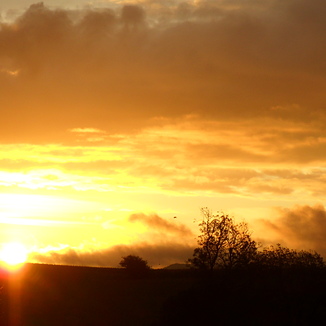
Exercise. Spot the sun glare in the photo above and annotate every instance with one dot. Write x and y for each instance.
(13, 254)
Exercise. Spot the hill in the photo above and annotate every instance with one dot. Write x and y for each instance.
(46, 295)
(177, 266)
(69, 295)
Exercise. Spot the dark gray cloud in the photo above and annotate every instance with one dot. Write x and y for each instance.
(303, 227)
(132, 16)
(159, 255)
(219, 59)
(155, 222)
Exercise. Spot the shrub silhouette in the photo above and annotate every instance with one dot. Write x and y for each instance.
(135, 266)
(280, 257)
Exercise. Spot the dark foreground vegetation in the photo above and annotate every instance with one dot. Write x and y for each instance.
(64, 295)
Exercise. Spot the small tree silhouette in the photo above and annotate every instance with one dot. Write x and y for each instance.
(135, 266)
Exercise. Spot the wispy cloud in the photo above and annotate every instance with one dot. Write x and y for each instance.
(158, 223)
(86, 130)
(37, 222)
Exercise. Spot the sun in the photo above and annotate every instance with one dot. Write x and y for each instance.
(13, 253)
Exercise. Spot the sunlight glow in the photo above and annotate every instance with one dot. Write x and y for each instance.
(13, 253)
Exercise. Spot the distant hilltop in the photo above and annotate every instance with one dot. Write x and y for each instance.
(177, 266)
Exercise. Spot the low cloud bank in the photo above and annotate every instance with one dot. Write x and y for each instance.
(158, 256)
(302, 227)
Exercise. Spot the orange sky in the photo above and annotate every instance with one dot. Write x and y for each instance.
(116, 118)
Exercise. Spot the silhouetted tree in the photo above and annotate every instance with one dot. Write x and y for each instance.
(135, 265)
(222, 242)
(239, 249)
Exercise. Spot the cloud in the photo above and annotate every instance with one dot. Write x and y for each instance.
(156, 103)
(211, 151)
(158, 255)
(86, 130)
(97, 24)
(156, 222)
(132, 15)
(222, 60)
(302, 227)
(203, 98)
(188, 155)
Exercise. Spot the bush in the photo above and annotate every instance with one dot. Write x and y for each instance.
(280, 257)
(135, 266)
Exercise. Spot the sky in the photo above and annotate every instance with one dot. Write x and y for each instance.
(121, 120)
